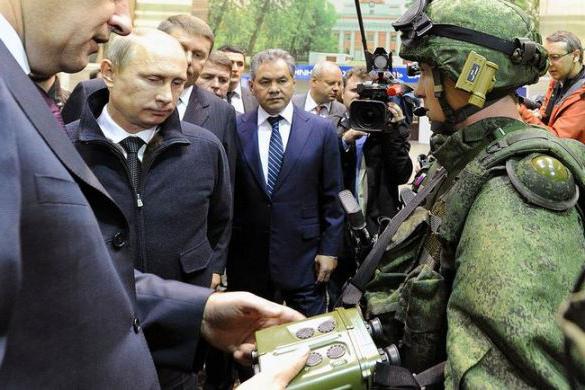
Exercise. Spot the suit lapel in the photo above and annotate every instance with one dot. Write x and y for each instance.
(298, 138)
(248, 135)
(24, 91)
(197, 109)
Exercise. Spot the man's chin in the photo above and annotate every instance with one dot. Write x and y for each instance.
(74, 65)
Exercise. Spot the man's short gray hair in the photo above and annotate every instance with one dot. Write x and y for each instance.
(572, 41)
(119, 49)
(272, 55)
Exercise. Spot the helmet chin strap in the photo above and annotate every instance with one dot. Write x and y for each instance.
(452, 117)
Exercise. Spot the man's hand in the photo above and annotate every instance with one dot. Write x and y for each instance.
(215, 281)
(351, 135)
(324, 266)
(283, 371)
(231, 319)
(396, 111)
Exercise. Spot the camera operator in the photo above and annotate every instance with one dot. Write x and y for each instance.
(373, 164)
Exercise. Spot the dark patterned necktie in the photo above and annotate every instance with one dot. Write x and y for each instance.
(275, 153)
(53, 107)
(132, 145)
(230, 95)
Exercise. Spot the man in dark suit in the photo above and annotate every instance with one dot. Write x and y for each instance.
(215, 76)
(287, 221)
(321, 99)
(70, 313)
(196, 105)
(239, 95)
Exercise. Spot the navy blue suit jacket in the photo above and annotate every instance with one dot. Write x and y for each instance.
(67, 292)
(275, 239)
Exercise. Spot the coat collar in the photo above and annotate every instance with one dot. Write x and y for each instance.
(197, 111)
(89, 130)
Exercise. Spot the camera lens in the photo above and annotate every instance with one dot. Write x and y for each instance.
(368, 115)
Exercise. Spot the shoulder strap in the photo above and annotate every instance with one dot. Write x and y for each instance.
(354, 289)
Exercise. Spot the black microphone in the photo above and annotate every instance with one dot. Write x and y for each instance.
(355, 217)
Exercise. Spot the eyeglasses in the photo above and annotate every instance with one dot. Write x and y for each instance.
(556, 57)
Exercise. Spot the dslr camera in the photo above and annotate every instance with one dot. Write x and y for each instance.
(370, 112)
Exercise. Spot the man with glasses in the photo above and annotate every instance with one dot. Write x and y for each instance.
(563, 108)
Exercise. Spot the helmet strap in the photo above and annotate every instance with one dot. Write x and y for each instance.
(448, 126)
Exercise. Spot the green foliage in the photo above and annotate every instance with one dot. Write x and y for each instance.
(298, 26)
(532, 7)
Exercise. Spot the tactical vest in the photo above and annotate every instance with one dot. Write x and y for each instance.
(410, 290)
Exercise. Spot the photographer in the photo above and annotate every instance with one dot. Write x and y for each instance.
(373, 164)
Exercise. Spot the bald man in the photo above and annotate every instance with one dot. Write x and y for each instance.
(179, 206)
(325, 85)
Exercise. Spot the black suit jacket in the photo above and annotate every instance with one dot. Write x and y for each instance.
(204, 109)
(66, 304)
(388, 165)
(210, 112)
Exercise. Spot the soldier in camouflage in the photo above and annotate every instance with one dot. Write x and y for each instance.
(476, 276)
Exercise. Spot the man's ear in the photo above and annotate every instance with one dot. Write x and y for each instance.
(107, 70)
(251, 87)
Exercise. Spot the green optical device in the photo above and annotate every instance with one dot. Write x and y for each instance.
(343, 354)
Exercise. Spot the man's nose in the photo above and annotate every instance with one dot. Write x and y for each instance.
(121, 22)
(165, 94)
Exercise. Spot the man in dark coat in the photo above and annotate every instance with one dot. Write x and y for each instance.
(70, 314)
(180, 207)
(195, 104)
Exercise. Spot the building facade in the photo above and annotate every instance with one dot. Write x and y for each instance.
(378, 16)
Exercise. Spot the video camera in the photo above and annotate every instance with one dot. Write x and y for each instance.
(370, 113)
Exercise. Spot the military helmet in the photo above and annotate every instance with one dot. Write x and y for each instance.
(442, 33)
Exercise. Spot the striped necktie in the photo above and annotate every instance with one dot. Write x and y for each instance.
(275, 153)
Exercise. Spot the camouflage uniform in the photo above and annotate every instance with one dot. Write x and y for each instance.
(476, 275)
(572, 322)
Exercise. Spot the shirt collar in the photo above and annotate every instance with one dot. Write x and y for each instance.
(238, 90)
(116, 134)
(10, 38)
(287, 114)
(186, 94)
(310, 104)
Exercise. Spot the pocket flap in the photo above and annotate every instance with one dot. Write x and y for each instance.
(57, 190)
(197, 257)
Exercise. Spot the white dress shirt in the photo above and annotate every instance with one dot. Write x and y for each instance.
(116, 134)
(183, 101)
(11, 40)
(236, 99)
(312, 106)
(265, 131)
